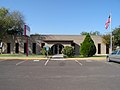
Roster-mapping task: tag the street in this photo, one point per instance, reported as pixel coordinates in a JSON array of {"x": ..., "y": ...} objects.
[{"x": 59, "y": 75}]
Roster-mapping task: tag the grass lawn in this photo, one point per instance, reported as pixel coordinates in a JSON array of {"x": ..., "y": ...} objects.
[
  {"x": 80, "y": 56},
  {"x": 20, "y": 55}
]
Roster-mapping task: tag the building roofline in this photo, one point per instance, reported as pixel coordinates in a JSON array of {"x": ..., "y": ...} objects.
[
  {"x": 61, "y": 35},
  {"x": 58, "y": 40}
]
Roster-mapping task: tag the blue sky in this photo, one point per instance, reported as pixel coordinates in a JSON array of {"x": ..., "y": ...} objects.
[{"x": 66, "y": 16}]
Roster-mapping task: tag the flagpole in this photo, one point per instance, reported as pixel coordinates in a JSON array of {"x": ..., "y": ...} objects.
[{"x": 110, "y": 33}]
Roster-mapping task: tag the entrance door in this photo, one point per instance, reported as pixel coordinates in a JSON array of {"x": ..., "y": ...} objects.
[{"x": 57, "y": 48}]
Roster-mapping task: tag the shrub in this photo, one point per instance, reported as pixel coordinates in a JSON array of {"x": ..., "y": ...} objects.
[
  {"x": 68, "y": 50},
  {"x": 87, "y": 48},
  {"x": 44, "y": 52}
]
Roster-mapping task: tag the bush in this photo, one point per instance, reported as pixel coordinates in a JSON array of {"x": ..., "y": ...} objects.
[
  {"x": 44, "y": 52},
  {"x": 68, "y": 50},
  {"x": 87, "y": 48}
]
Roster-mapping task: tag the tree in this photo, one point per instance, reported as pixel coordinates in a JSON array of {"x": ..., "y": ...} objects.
[
  {"x": 16, "y": 26},
  {"x": 17, "y": 23},
  {"x": 87, "y": 48},
  {"x": 95, "y": 33},
  {"x": 91, "y": 33},
  {"x": 116, "y": 35},
  {"x": 84, "y": 33},
  {"x": 68, "y": 50},
  {"x": 4, "y": 22},
  {"x": 115, "y": 38},
  {"x": 106, "y": 39},
  {"x": 11, "y": 23}
]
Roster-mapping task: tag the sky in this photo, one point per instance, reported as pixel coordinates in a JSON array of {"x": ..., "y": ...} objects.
[{"x": 68, "y": 17}]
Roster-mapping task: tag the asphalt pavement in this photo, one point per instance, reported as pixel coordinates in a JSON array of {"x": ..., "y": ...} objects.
[{"x": 59, "y": 75}]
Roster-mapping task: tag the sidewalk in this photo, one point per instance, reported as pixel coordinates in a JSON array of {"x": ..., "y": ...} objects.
[{"x": 58, "y": 56}]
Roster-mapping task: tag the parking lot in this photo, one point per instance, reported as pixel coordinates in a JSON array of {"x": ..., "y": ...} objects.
[{"x": 59, "y": 75}]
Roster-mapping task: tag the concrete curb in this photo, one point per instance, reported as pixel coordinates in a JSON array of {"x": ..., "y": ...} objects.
[
  {"x": 28, "y": 58},
  {"x": 91, "y": 58}
]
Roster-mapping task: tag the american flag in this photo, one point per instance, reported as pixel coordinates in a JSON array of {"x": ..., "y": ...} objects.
[{"x": 107, "y": 22}]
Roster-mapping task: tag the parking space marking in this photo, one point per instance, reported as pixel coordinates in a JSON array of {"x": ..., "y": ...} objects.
[
  {"x": 47, "y": 62},
  {"x": 78, "y": 62},
  {"x": 55, "y": 59},
  {"x": 88, "y": 60},
  {"x": 20, "y": 62},
  {"x": 36, "y": 60}
]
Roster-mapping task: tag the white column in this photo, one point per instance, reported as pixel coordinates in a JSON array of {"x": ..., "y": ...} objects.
[
  {"x": 58, "y": 49},
  {"x": 53, "y": 49}
]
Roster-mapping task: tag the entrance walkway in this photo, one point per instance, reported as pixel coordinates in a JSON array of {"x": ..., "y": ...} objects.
[{"x": 58, "y": 57}]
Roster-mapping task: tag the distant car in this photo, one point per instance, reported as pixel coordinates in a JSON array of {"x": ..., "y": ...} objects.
[{"x": 114, "y": 56}]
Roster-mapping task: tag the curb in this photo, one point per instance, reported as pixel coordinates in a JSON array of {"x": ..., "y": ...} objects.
[
  {"x": 27, "y": 58},
  {"x": 103, "y": 58},
  {"x": 7, "y": 58}
]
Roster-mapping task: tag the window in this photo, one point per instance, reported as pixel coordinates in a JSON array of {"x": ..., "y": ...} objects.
[
  {"x": 72, "y": 44},
  {"x": 118, "y": 52},
  {"x": 24, "y": 47},
  {"x": 34, "y": 48},
  {"x": 107, "y": 48},
  {"x": 17, "y": 48},
  {"x": 8, "y": 47},
  {"x": 42, "y": 45},
  {"x": 99, "y": 48},
  {"x": 114, "y": 52}
]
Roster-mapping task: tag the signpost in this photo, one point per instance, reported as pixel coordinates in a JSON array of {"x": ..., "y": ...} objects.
[
  {"x": 47, "y": 49},
  {"x": 26, "y": 34}
]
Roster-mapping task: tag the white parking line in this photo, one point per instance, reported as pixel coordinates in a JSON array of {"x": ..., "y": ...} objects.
[
  {"x": 88, "y": 60},
  {"x": 78, "y": 62},
  {"x": 20, "y": 63},
  {"x": 55, "y": 59},
  {"x": 36, "y": 60},
  {"x": 46, "y": 62}
]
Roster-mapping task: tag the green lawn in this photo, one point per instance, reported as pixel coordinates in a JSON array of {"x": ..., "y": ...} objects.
[
  {"x": 20, "y": 55},
  {"x": 80, "y": 56}
]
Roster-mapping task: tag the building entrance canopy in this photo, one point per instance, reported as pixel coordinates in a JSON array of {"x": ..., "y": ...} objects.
[{"x": 58, "y": 45}]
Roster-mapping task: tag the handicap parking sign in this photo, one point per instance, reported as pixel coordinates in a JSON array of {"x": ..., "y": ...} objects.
[{"x": 47, "y": 48}]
